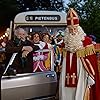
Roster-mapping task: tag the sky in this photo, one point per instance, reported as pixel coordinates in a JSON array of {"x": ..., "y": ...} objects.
[{"x": 65, "y": 2}]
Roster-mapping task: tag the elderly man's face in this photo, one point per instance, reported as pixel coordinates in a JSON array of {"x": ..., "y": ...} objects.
[
  {"x": 73, "y": 30},
  {"x": 21, "y": 35}
]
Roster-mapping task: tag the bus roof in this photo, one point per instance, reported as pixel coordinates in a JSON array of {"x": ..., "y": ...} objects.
[{"x": 41, "y": 18}]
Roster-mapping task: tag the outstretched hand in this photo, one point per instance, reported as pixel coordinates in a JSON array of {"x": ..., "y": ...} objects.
[
  {"x": 25, "y": 53},
  {"x": 27, "y": 48}
]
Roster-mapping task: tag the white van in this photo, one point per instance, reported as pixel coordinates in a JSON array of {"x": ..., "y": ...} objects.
[{"x": 37, "y": 85}]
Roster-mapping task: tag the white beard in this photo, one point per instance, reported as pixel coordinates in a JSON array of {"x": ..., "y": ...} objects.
[{"x": 73, "y": 42}]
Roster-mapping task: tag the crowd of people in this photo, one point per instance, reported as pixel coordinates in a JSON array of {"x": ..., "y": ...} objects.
[
  {"x": 26, "y": 59},
  {"x": 74, "y": 54}
]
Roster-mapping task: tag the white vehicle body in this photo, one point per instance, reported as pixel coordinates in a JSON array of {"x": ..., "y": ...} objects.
[{"x": 37, "y": 85}]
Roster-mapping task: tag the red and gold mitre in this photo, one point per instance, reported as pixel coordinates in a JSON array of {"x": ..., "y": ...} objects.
[{"x": 72, "y": 18}]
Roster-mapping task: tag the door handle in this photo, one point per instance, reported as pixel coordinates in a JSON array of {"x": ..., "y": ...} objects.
[{"x": 50, "y": 75}]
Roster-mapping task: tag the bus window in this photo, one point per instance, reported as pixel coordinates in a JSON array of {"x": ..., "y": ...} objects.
[
  {"x": 40, "y": 21},
  {"x": 50, "y": 29}
]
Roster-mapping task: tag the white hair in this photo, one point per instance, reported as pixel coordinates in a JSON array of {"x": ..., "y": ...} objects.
[
  {"x": 21, "y": 34},
  {"x": 74, "y": 42},
  {"x": 20, "y": 30}
]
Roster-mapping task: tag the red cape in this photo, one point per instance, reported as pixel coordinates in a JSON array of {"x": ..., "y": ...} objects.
[{"x": 95, "y": 89}]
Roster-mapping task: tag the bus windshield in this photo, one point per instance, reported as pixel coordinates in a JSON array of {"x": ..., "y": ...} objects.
[{"x": 43, "y": 29}]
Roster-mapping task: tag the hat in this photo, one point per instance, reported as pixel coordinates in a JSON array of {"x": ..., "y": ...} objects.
[
  {"x": 60, "y": 33},
  {"x": 93, "y": 37},
  {"x": 72, "y": 18}
]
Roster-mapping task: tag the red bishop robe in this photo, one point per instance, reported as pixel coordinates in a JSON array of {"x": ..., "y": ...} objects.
[
  {"x": 90, "y": 64},
  {"x": 95, "y": 89}
]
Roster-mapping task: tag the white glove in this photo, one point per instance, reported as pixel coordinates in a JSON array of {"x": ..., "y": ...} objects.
[
  {"x": 39, "y": 57},
  {"x": 40, "y": 46},
  {"x": 90, "y": 81},
  {"x": 35, "y": 58}
]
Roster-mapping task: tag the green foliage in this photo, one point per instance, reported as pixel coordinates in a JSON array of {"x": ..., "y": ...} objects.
[
  {"x": 88, "y": 11},
  {"x": 89, "y": 14},
  {"x": 8, "y": 9}
]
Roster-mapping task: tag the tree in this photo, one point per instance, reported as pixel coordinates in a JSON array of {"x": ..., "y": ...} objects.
[
  {"x": 92, "y": 10},
  {"x": 89, "y": 14},
  {"x": 8, "y": 10},
  {"x": 40, "y": 5}
]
